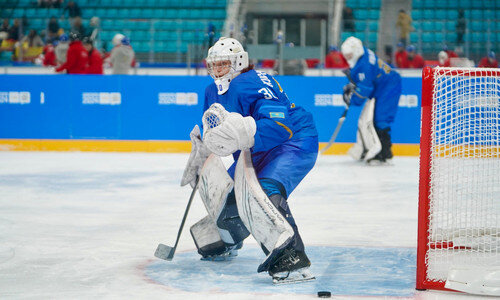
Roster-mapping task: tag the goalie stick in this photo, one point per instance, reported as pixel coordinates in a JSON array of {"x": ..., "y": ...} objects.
[
  {"x": 347, "y": 73},
  {"x": 336, "y": 132},
  {"x": 166, "y": 252}
]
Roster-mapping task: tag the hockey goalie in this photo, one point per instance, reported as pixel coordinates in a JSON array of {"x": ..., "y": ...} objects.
[
  {"x": 274, "y": 145},
  {"x": 373, "y": 82}
]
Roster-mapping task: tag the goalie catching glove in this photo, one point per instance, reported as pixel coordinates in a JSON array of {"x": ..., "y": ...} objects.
[
  {"x": 225, "y": 133},
  {"x": 199, "y": 154}
]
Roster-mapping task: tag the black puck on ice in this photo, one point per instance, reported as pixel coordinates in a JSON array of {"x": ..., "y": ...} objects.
[{"x": 324, "y": 294}]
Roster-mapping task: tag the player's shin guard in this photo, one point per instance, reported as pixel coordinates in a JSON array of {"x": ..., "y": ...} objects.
[{"x": 385, "y": 139}]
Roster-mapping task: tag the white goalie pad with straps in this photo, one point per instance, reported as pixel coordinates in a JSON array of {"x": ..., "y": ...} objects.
[
  {"x": 257, "y": 212},
  {"x": 367, "y": 140},
  {"x": 215, "y": 184}
]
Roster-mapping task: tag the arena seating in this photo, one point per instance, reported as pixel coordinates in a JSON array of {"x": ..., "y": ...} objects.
[
  {"x": 435, "y": 24},
  {"x": 161, "y": 26},
  {"x": 366, "y": 19}
]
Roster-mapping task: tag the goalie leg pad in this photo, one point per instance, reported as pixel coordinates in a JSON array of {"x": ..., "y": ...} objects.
[
  {"x": 367, "y": 135},
  {"x": 266, "y": 224},
  {"x": 209, "y": 243},
  {"x": 207, "y": 238},
  {"x": 215, "y": 186}
]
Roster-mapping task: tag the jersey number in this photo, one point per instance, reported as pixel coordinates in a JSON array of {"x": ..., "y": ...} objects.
[{"x": 268, "y": 94}]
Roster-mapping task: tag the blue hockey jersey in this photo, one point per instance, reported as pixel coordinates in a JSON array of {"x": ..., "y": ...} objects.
[
  {"x": 375, "y": 79},
  {"x": 286, "y": 140}
]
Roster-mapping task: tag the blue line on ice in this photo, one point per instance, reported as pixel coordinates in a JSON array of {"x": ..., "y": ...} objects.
[{"x": 356, "y": 271}]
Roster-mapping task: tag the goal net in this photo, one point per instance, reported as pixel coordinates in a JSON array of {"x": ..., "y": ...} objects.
[{"x": 459, "y": 192}]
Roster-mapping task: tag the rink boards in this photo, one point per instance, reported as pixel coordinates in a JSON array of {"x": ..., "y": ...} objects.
[{"x": 156, "y": 113}]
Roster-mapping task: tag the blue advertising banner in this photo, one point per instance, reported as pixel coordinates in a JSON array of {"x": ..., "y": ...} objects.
[{"x": 128, "y": 107}]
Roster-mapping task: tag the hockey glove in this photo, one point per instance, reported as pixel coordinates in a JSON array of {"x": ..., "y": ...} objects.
[
  {"x": 225, "y": 133},
  {"x": 199, "y": 153},
  {"x": 347, "y": 93}
]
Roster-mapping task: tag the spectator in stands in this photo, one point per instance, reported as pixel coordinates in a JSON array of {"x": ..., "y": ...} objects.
[
  {"x": 443, "y": 59},
  {"x": 14, "y": 31},
  {"x": 268, "y": 63},
  {"x": 451, "y": 53},
  {"x": 335, "y": 59},
  {"x": 94, "y": 65},
  {"x": 488, "y": 61},
  {"x": 48, "y": 56},
  {"x": 460, "y": 27},
  {"x": 50, "y": 3},
  {"x": 73, "y": 10},
  {"x": 4, "y": 30},
  {"x": 78, "y": 27},
  {"x": 94, "y": 25},
  {"x": 401, "y": 55},
  {"x": 122, "y": 57},
  {"x": 30, "y": 46},
  {"x": 211, "y": 34},
  {"x": 62, "y": 49},
  {"x": 413, "y": 60},
  {"x": 348, "y": 19},
  {"x": 53, "y": 29},
  {"x": 404, "y": 23},
  {"x": 77, "y": 57},
  {"x": 5, "y": 26}
]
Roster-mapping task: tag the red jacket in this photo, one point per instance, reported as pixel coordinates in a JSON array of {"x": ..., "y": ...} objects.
[
  {"x": 76, "y": 59},
  {"x": 335, "y": 59},
  {"x": 94, "y": 63},
  {"x": 485, "y": 63},
  {"x": 400, "y": 58},
  {"x": 49, "y": 57},
  {"x": 416, "y": 62}
]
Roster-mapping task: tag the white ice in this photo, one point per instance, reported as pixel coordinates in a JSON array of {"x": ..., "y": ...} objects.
[{"x": 85, "y": 225}]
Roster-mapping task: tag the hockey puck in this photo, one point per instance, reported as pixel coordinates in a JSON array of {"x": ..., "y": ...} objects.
[{"x": 324, "y": 294}]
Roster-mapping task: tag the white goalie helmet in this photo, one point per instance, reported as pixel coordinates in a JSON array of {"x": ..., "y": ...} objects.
[
  {"x": 117, "y": 39},
  {"x": 225, "y": 60},
  {"x": 352, "y": 50}
]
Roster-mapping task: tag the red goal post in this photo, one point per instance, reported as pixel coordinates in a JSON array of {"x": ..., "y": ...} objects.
[{"x": 459, "y": 184}]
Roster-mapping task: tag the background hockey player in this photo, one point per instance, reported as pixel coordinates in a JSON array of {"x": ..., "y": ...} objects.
[
  {"x": 122, "y": 56},
  {"x": 371, "y": 78},
  {"x": 94, "y": 65},
  {"x": 257, "y": 115},
  {"x": 62, "y": 48},
  {"x": 77, "y": 57}
]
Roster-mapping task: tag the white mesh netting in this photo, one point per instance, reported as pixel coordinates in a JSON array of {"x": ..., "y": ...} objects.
[{"x": 464, "y": 200}]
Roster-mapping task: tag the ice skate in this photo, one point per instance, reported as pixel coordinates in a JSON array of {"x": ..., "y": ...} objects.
[
  {"x": 291, "y": 267},
  {"x": 229, "y": 254}
]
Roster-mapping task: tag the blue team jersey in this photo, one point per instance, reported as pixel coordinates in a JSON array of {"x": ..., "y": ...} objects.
[
  {"x": 259, "y": 95},
  {"x": 372, "y": 77},
  {"x": 286, "y": 140}
]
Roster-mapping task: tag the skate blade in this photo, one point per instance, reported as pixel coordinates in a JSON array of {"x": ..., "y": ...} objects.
[
  {"x": 224, "y": 257},
  {"x": 297, "y": 276}
]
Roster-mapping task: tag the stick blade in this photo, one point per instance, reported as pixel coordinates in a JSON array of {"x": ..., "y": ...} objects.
[{"x": 164, "y": 252}]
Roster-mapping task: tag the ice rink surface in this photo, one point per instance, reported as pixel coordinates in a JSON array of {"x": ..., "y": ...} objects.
[{"x": 78, "y": 225}]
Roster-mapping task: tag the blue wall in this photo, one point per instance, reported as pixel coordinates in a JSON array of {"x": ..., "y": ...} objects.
[{"x": 163, "y": 107}]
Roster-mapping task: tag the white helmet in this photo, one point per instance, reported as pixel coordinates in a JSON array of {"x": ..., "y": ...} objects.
[
  {"x": 117, "y": 39},
  {"x": 225, "y": 60},
  {"x": 442, "y": 56},
  {"x": 352, "y": 49}
]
